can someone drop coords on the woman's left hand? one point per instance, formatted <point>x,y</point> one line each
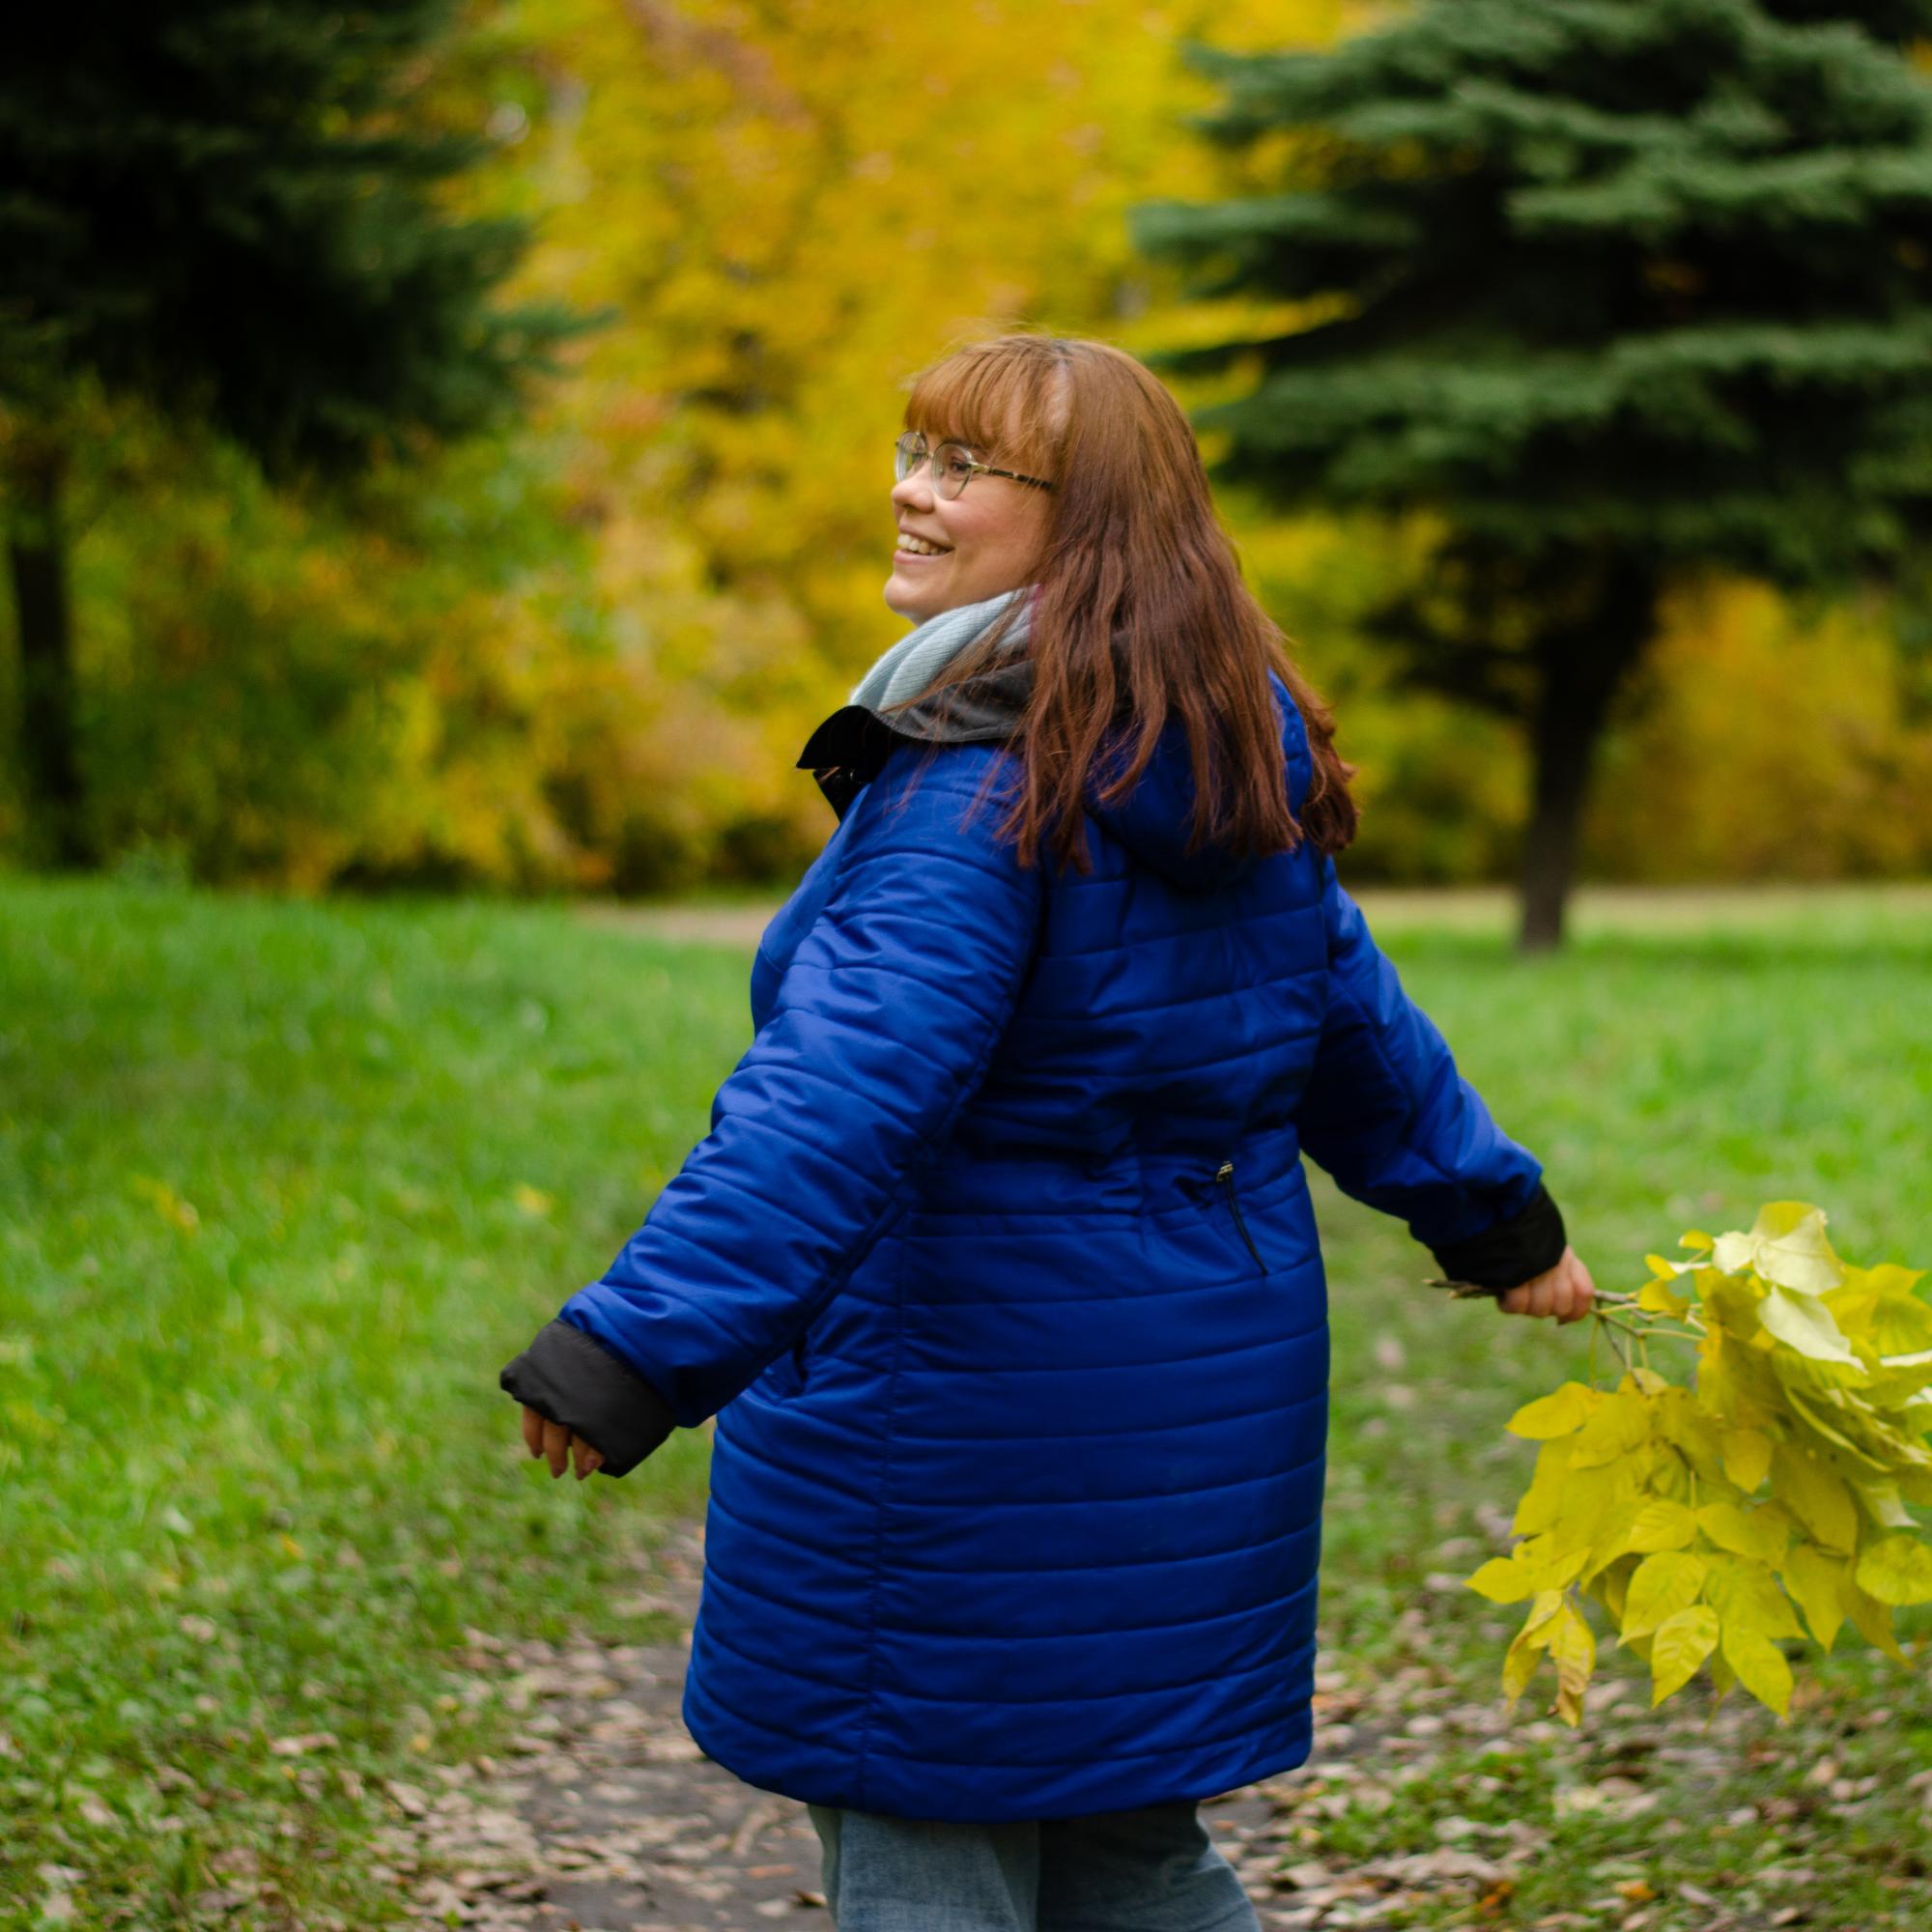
<point>552,1439</point>
<point>1564,1292</point>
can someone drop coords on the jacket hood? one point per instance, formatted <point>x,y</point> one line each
<point>1152,822</point>
<point>849,748</point>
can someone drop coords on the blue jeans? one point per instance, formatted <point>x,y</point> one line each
<point>1150,1869</point>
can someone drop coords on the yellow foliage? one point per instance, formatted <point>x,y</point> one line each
<point>1682,1641</point>
<point>783,212</point>
<point>1807,1370</point>
<point>787,212</point>
<point>1558,1414</point>
<point>1830,779</point>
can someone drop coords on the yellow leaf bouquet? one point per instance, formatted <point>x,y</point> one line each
<point>1708,1519</point>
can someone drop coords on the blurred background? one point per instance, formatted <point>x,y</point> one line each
<point>443,462</point>
<point>446,447</point>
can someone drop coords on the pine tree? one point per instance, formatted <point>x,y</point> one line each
<point>1606,292</point>
<point>220,210</point>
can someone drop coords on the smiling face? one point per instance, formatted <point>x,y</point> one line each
<point>990,535</point>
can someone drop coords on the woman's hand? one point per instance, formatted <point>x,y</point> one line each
<point>544,1437</point>
<point>1564,1292</point>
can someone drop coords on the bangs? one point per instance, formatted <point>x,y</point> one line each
<point>997,401</point>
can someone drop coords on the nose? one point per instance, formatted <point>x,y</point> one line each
<point>916,489</point>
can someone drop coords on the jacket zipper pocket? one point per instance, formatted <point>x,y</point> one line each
<point>1225,1174</point>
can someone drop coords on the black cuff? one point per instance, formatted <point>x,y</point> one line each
<point>572,1378</point>
<point>1528,1243</point>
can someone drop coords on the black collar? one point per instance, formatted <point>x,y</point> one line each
<point>846,749</point>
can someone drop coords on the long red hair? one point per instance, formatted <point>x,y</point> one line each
<point>1141,610</point>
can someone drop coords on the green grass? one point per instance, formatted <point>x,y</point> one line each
<point>282,1186</point>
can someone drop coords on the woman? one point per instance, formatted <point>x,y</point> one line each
<point>997,1265</point>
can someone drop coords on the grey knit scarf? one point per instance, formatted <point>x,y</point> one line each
<point>926,650</point>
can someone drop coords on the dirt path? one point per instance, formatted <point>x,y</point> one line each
<point>609,1819</point>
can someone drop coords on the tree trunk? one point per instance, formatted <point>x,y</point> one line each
<point>1581,668</point>
<point>37,552</point>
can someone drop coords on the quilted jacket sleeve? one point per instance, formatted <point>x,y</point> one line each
<point>880,1029</point>
<point>1387,1114</point>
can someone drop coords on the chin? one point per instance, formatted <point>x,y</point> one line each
<point>911,608</point>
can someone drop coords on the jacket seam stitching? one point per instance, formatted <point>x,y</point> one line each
<point>1188,1495</point>
<point>751,1526</point>
<point>1215,1676</point>
<point>1296,1720</point>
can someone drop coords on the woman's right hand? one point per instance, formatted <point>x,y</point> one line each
<point>544,1437</point>
<point>1564,1292</point>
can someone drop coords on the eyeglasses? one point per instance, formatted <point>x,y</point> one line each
<point>952,465</point>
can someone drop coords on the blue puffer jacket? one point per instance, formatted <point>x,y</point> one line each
<point>997,1269</point>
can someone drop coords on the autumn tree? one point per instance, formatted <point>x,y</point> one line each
<point>219,210</point>
<point>791,210</point>
<point>1600,296</point>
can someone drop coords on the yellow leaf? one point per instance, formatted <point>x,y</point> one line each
<point>1612,1587</point>
<point>1502,1580</point>
<point>1723,1676</point>
<point>1594,1506</point>
<point>1533,1639</point>
<point>1747,1532</point>
<point>1860,1440</point>
<point>1844,1386</point>
<point>1878,1306</point>
<point>1744,1593</point>
<point>1887,1280</point>
<point>1872,1620</point>
<point>1548,1489</point>
<point>1804,1323</point>
<point>1693,1432</point>
<point>1681,1643</point>
<point>1731,1298</point>
<point>1661,1525</point>
<point>1548,1603</point>
<point>1573,1649</point>
<point>1896,1570</point>
<point>1817,1580</point>
<point>1654,1297</point>
<point>1882,1503</point>
<point>1659,1587</point>
<point>1760,1666</point>
<point>1696,1238</point>
<point>1786,1245</point>
<point>1666,1473</point>
<point>1557,1415</point>
<point>1621,1423</point>
<point>1519,1665</point>
<point>1560,1567</point>
<point>1606,1552</point>
<point>1747,1454</point>
<point>1816,1496</point>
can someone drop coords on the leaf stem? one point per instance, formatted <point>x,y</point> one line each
<point>1610,1323</point>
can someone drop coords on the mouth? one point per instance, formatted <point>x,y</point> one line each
<point>917,550</point>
